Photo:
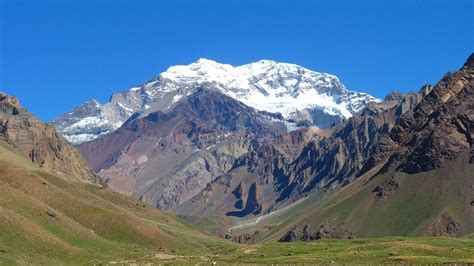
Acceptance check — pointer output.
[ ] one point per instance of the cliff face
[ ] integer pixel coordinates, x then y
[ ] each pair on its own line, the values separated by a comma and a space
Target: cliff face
437, 130
40, 141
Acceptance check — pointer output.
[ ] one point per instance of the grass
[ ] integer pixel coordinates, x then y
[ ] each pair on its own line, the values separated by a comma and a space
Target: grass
362, 251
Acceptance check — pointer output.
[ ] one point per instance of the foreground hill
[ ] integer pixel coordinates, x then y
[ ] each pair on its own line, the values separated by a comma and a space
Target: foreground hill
40, 142
46, 219
50, 213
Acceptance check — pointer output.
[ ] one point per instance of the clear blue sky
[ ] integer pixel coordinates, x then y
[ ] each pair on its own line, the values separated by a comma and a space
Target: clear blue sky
55, 54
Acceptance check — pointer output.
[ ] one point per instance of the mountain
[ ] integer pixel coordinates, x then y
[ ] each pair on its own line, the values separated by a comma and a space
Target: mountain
56, 219
50, 213
364, 171
298, 94
281, 171
399, 167
167, 156
40, 142
417, 180
257, 175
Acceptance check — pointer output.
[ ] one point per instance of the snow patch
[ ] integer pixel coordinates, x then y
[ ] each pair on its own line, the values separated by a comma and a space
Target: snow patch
176, 98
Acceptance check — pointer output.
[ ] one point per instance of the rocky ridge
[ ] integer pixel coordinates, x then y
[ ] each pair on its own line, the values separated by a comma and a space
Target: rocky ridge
40, 142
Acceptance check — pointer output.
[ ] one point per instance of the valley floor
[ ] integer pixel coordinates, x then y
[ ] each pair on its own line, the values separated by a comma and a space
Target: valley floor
355, 251
363, 251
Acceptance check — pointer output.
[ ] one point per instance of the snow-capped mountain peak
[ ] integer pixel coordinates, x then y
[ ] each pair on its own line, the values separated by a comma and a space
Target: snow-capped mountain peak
294, 91
266, 85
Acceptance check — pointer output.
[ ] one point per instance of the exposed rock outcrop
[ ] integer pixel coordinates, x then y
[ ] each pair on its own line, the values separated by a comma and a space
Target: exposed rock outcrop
386, 189
40, 141
436, 131
327, 230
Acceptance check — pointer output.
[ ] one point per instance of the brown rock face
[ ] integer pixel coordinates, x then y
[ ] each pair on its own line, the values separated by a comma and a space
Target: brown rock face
40, 141
432, 139
438, 130
168, 156
292, 165
255, 182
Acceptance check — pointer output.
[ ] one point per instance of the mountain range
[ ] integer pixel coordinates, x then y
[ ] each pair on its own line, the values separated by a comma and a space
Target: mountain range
230, 148
297, 93
260, 153
191, 123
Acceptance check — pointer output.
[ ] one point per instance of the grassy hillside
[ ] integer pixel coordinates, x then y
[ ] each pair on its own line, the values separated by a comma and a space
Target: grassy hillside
44, 218
436, 203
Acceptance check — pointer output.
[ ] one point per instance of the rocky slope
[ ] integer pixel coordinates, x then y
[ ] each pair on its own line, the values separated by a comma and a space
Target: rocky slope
418, 179
438, 130
269, 177
166, 157
255, 181
40, 141
266, 179
297, 93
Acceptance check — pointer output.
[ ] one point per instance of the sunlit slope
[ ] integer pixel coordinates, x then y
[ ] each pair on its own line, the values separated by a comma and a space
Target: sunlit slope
434, 203
46, 219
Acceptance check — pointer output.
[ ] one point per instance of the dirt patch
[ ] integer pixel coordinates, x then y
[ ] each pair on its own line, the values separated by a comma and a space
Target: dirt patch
165, 256
250, 250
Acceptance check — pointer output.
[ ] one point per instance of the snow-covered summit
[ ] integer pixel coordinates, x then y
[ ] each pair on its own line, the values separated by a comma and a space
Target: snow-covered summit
294, 91
267, 85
